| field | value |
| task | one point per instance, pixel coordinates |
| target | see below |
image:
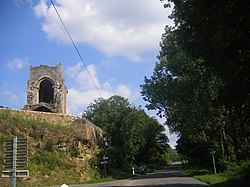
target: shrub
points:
(49, 145)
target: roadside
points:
(232, 177)
(172, 176)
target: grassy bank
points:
(47, 164)
(237, 175)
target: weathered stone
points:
(46, 90)
(88, 132)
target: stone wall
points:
(53, 118)
(87, 130)
(78, 147)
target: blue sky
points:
(118, 40)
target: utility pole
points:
(212, 153)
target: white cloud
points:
(17, 63)
(17, 2)
(13, 98)
(123, 90)
(84, 92)
(115, 27)
(88, 79)
(74, 70)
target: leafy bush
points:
(239, 169)
(49, 145)
(74, 152)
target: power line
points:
(77, 51)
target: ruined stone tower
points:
(46, 91)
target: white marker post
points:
(133, 170)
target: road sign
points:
(19, 173)
(105, 157)
(104, 162)
(20, 165)
(15, 159)
(21, 154)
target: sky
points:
(118, 41)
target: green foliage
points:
(134, 137)
(47, 165)
(213, 179)
(241, 169)
(49, 145)
(234, 176)
(74, 151)
(51, 160)
(201, 82)
(173, 155)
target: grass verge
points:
(224, 179)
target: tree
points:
(184, 91)
(133, 135)
(218, 33)
(201, 82)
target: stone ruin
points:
(46, 91)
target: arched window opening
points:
(42, 109)
(46, 92)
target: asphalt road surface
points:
(172, 176)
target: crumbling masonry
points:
(46, 91)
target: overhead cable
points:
(73, 43)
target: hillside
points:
(60, 152)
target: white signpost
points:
(104, 162)
(15, 159)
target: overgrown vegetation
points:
(47, 164)
(235, 175)
(201, 82)
(134, 138)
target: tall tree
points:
(184, 91)
(201, 82)
(128, 130)
(218, 33)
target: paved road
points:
(172, 176)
